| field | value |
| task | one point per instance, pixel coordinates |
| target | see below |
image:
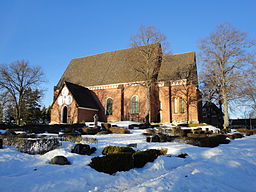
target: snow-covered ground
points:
(225, 168)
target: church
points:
(118, 85)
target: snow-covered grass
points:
(225, 168)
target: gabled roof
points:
(178, 66)
(119, 67)
(105, 68)
(82, 96)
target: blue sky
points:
(50, 33)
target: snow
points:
(230, 167)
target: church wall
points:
(121, 96)
(115, 95)
(190, 96)
(129, 92)
(86, 115)
(165, 107)
(56, 112)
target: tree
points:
(225, 56)
(249, 90)
(30, 110)
(187, 91)
(148, 41)
(16, 80)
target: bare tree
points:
(249, 89)
(15, 80)
(225, 55)
(187, 91)
(148, 41)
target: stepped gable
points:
(82, 96)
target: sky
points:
(49, 33)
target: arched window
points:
(182, 105)
(109, 106)
(135, 105)
(65, 114)
(175, 105)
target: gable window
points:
(109, 107)
(135, 105)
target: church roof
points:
(178, 66)
(118, 67)
(82, 96)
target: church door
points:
(65, 114)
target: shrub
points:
(116, 149)
(1, 143)
(142, 157)
(119, 130)
(112, 163)
(59, 160)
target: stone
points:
(83, 149)
(59, 160)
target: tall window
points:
(182, 105)
(175, 105)
(134, 105)
(109, 107)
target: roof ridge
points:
(112, 51)
(193, 52)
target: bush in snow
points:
(205, 141)
(143, 157)
(116, 149)
(124, 160)
(1, 143)
(112, 163)
(36, 146)
(59, 160)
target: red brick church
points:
(112, 86)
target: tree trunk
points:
(187, 104)
(148, 102)
(225, 109)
